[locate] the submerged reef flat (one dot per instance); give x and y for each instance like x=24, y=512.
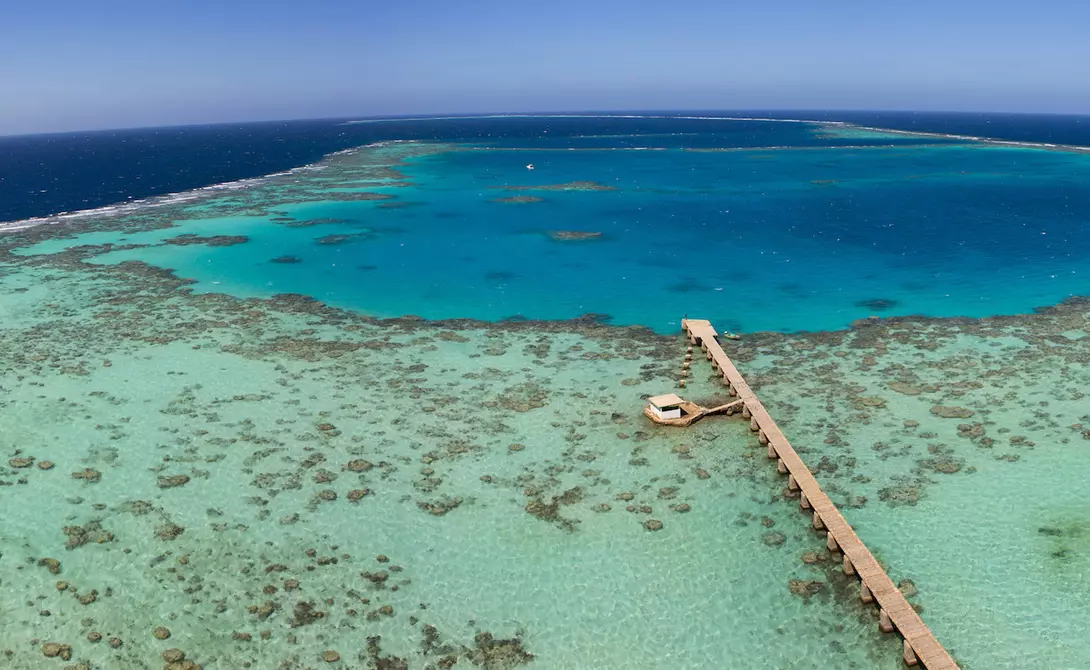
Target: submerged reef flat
x=957, y=448
x=279, y=483
x=276, y=482
x=569, y=186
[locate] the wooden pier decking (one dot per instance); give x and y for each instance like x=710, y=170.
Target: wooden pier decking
x=920, y=645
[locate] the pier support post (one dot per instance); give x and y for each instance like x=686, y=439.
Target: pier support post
x=849, y=569
x=803, y=502
x=753, y=425
x=792, y=485
x=910, y=655
x=746, y=413
x=761, y=437
x=782, y=467
x=884, y=623
x=830, y=542
x=772, y=451
x=731, y=391
x=819, y=524
x=864, y=593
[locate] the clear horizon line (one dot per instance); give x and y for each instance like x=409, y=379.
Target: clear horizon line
x=530, y=114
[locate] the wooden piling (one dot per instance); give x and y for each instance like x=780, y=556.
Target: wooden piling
x=909, y=656
x=864, y=593
x=884, y=623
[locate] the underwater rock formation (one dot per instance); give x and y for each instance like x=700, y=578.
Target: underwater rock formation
x=569, y=186
x=518, y=199
x=187, y=239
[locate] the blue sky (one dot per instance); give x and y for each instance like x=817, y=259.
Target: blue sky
x=81, y=64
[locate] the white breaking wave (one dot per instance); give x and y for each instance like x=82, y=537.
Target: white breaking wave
x=154, y=201
x=842, y=124
x=593, y=116
x=974, y=138
x=122, y=208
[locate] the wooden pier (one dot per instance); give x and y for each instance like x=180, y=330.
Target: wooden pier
x=894, y=612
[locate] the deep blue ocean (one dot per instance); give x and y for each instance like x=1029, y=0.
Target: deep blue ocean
x=757, y=225
x=47, y=174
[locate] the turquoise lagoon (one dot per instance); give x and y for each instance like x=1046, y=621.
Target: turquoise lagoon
x=272, y=477
x=825, y=233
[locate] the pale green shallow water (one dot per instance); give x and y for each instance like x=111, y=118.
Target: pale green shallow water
x=232, y=395
x=1001, y=545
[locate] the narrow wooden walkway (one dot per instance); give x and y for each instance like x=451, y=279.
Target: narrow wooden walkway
x=920, y=646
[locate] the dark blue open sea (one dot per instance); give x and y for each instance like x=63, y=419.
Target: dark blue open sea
x=46, y=174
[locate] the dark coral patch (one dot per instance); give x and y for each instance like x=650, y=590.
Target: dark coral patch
x=343, y=238
x=518, y=199
x=306, y=223
x=212, y=241
x=569, y=186
x=498, y=276
x=573, y=235
x=687, y=286
x=877, y=305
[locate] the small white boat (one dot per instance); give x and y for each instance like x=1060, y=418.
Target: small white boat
x=530, y=166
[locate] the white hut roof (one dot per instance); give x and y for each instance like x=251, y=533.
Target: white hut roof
x=665, y=401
